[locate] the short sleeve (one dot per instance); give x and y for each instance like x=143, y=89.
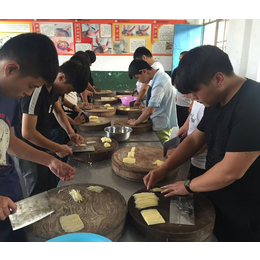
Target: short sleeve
x=156, y=96
x=245, y=129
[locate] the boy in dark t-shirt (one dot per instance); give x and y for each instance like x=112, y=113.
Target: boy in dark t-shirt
x=27, y=61
x=230, y=128
x=35, y=129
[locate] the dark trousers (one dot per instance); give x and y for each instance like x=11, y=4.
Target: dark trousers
x=37, y=178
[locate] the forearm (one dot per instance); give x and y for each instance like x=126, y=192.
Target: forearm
x=142, y=92
x=63, y=121
x=147, y=112
x=91, y=87
x=232, y=167
x=38, y=139
x=22, y=150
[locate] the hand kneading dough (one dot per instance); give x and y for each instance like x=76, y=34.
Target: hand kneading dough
x=71, y=223
x=152, y=216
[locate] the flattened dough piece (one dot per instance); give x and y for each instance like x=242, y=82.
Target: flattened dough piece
x=152, y=216
x=71, y=223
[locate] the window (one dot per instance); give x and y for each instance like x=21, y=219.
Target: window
x=215, y=32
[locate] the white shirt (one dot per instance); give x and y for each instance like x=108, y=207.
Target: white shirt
x=196, y=114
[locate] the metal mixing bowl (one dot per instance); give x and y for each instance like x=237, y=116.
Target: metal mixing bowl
x=119, y=133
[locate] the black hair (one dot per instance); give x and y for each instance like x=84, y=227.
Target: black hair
x=183, y=52
x=173, y=76
x=81, y=57
x=136, y=67
x=35, y=53
x=140, y=51
x=200, y=65
x=77, y=72
x=92, y=56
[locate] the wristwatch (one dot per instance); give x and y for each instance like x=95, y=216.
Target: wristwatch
x=187, y=186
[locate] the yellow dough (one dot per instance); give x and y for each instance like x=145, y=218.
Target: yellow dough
x=107, y=105
x=76, y=196
x=129, y=160
x=71, y=223
x=145, y=200
x=152, y=216
x=97, y=189
x=93, y=117
x=158, y=162
x=156, y=190
x=107, y=145
x=106, y=140
x=110, y=108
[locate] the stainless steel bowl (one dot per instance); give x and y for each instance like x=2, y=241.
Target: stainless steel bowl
x=119, y=133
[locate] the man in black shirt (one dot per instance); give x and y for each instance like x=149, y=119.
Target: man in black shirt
x=231, y=128
x=35, y=129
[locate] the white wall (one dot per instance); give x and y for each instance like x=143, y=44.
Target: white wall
x=119, y=63
x=243, y=48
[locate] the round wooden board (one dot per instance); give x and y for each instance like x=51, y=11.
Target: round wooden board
x=103, y=93
x=141, y=128
x=101, y=153
x=102, y=213
x=91, y=126
x=101, y=111
x=124, y=92
x=103, y=102
x=125, y=112
x=145, y=155
x=203, y=228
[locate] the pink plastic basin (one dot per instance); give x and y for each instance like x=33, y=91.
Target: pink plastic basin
x=127, y=99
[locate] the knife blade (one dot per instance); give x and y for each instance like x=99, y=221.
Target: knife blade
x=172, y=143
x=80, y=149
x=182, y=210
x=30, y=210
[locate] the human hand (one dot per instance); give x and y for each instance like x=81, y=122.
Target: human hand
x=64, y=171
x=183, y=131
x=137, y=103
x=88, y=105
x=80, y=118
x=153, y=177
x=7, y=207
x=63, y=151
x=76, y=138
x=176, y=188
x=132, y=122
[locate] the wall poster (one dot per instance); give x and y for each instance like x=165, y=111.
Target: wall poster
x=9, y=30
x=103, y=36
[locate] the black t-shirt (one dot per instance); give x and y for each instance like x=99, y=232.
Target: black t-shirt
x=235, y=127
x=40, y=103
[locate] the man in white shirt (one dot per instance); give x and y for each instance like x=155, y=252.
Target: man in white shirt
x=142, y=53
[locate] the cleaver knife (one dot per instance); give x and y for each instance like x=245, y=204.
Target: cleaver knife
x=182, y=210
x=80, y=149
x=30, y=210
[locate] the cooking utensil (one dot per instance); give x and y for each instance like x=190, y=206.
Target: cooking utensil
x=126, y=99
x=79, y=149
x=173, y=143
x=132, y=103
x=182, y=210
x=30, y=210
x=120, y=133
